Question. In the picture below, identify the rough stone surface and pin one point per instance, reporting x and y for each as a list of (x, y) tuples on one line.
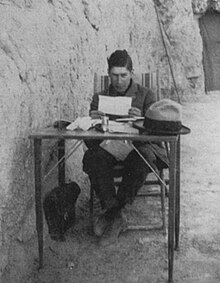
[(49, 52), (215, 4), (200, 7)]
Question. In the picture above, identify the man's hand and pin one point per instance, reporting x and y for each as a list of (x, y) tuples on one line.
[(95, 114), (134, 111)]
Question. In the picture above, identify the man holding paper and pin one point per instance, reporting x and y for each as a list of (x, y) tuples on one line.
[(132, 100)]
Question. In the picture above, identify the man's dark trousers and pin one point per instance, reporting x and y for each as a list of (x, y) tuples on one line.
[(99, 164)]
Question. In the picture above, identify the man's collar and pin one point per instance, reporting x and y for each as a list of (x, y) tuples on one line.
[(131, 91)]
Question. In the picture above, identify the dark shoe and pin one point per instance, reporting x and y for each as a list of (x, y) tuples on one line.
[(112, 233), (116, 227), (57, 237), (101, 224), (105, 220)]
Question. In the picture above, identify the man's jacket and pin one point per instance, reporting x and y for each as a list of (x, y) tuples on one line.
[(142, 98)]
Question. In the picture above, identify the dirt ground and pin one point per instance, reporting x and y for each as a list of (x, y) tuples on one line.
[(141, 257)]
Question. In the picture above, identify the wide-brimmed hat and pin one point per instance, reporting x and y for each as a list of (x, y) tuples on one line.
[(163, 117)]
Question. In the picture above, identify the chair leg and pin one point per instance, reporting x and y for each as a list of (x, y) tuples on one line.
[(162, 196)]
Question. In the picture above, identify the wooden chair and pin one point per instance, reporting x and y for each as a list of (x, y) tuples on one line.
[(151, 80)]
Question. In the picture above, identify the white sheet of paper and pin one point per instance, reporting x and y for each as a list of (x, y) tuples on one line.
[(83, 123), (119, 149), (117, 105)]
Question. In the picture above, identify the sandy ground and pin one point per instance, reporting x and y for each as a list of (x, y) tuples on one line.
[(141, 257)]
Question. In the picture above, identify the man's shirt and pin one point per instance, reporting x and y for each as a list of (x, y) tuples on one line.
[(142, 97)]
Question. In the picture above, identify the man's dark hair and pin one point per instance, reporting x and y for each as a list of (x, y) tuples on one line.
[(120, 58)]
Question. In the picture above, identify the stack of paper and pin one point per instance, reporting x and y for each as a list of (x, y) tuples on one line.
[(116, 127)]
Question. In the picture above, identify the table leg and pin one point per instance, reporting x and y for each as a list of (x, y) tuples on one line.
[(38, 198), (91, 201), (171, 214), (177, 213), (61, 165)]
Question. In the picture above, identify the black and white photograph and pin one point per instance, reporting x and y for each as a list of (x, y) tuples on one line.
[(109, 141)]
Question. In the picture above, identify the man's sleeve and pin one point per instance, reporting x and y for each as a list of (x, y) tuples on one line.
[(150, 98), (95, 102)]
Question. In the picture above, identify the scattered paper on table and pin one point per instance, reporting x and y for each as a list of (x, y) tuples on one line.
[(83, 123), (117, 105)]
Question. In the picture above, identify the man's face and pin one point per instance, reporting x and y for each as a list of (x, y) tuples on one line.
[(120, 78)]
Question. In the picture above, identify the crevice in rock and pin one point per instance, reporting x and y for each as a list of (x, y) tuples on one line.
[(86, 14), (21, 78), (1, 3), (140, 4)]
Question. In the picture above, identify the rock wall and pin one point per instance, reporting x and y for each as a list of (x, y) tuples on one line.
[(200, 7), (49, 52)]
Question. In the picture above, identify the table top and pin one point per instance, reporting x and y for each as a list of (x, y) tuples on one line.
[(54, 133)]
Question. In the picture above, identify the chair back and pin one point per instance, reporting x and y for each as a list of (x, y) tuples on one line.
[(150, 80)]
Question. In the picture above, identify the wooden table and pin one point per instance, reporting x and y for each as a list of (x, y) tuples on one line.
[(80, 136)]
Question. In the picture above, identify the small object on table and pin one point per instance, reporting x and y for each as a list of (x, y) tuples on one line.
[(105, 123), (61, 124)]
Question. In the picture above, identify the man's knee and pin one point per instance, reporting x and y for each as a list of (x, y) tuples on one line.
[(97, 160)]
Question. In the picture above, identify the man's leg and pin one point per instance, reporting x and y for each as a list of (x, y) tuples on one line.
[(134, 176), (98, 164)]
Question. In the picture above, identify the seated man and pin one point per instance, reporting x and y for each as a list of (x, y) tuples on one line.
[(98, 163)]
